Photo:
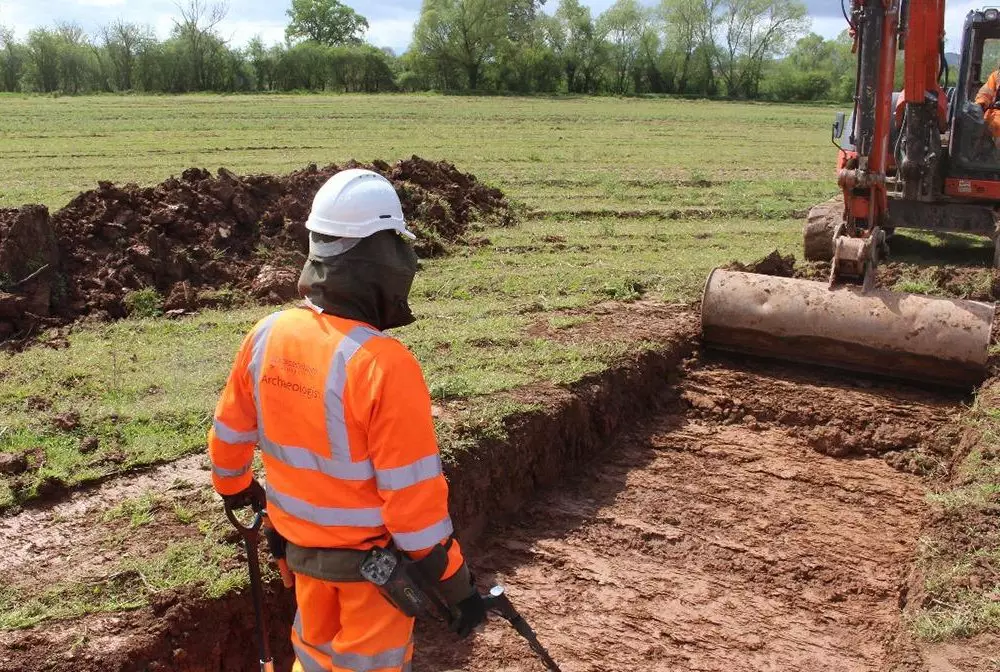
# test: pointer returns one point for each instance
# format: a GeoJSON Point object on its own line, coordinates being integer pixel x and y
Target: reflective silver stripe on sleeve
{"type": "Point", "coordinates": [336, 427]}
{"type": "Point", "coordinates": [232, 473]}
{"type": "Point", "coordinates": [332, 249]}
{"type": "Point", "coordinates": [303, 458]}
{"type": "Point", "coordinates": [403, 477]}
{"type": "Point", "coordinates": [257, 350]}
{"type": "Point", "coordinates": [308, 663]}
{"type": "Point", "coordinates": [227, 434]}
{"type": "Point", "coordinates": [325, 515]}
{"type": "Point", "coordinates": [425, 538]}
{"type": "Point", "coordinates": [357, 662]}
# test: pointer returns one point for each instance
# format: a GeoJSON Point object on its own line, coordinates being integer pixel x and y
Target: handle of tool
{"type": "Point", "coordinates": [251, 539]}
{"type": "Point", "coordinates": [502, 606]}
{"type": "Point", "coordinates": [257, 592]}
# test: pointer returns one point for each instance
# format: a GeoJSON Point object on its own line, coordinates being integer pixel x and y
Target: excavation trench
{"type": "Point", "coordinates": [673, 513]}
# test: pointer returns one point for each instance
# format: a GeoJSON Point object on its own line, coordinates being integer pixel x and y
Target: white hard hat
{"type": "Point", "coordinates": [357, 203]}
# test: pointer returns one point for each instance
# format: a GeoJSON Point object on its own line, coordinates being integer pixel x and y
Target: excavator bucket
{"type": "Point", "coordinates": [906, 336]}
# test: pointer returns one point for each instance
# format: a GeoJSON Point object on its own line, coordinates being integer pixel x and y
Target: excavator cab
{"type": "Point", "coordinates": [974, 170]}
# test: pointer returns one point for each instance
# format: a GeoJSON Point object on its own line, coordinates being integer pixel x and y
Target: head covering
{"type": "Point", "coordinates": [364, 279]}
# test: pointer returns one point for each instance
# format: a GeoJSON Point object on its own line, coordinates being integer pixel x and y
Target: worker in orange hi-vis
{"type": "Point", "coordinates": [342, 416]}
{"type": "Point", "coordinates": [987, 98]}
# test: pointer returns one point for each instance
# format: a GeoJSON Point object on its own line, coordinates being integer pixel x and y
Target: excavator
{"type": "Point", "coordinates": [921, 158]}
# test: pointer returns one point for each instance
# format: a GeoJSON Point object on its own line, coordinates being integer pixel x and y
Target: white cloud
{"type": "Point", "coordinates": [241, 32]}
{"type": "Point", "coordinates": [829, 26]}
{"type": "Point", "coordinates": [395, 33]}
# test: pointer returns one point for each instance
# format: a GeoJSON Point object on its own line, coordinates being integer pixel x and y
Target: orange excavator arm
{"type": "Point", "coordinates": [877, 27]}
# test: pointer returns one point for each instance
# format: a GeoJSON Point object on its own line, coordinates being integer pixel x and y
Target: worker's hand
{"type": "Point", "coordinates": [253, 496]}
{"type": "Point", "coordinates": [472, 614]}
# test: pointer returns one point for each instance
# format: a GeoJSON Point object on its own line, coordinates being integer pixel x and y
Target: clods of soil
{"type": "Point", "coordinates": [197, 237]}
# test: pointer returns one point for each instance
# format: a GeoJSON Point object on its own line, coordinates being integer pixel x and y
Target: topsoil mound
{"type": "Point", "coordinates": [772, 264]}
{"type": "Point", "coordinates": [192, 236]}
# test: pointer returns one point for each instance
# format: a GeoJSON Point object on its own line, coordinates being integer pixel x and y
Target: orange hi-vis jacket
{"type": "Point", "coordinates": [342, 415]}
{"type": "Point", "coordinates": [986, 97]}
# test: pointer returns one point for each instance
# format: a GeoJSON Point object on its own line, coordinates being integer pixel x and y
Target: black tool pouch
{"type": "Point", "coordinates": [401, 583]}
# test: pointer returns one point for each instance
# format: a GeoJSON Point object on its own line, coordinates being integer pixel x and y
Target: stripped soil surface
{"type": "Point", "coordinates": [707, 541]}
{"type": "Point", "coordinates": [713, 514]}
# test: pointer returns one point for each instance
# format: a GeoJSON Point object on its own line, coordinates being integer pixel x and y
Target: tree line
{"type": "Point", "coordinates": [750, 49]}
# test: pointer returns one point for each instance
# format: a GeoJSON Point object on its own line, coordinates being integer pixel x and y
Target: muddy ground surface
{"type": "Point", "coordinates": [203, 240]}
{"type": "Point", "coordinates": [710, 542]}
{"type": "Point", "coordinates": [723, 514]}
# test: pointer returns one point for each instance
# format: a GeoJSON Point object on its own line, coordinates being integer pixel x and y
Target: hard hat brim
{"type": "Point", "coordinates": [347, 230]}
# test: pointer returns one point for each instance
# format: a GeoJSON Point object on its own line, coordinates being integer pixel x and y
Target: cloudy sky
{"type": "Point", "coordinates": [391, 20]}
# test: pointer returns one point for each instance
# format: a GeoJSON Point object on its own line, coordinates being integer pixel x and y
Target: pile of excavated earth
{"type": "Point", "coordinates": [198, 238]}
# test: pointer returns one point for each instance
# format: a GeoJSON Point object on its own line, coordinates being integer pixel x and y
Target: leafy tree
{"type": "Point", "coordinates": [582, 50]}
{"type": "Point", "coordinates": [264, 63]}
{"type": "Point", "coordinates": [43, 61]}
{"type": "Point", "coordinates": [460, 32]}
{"type": "Point", "coordinates": [623, 25]}
{"type": "Point", "coordinates": [12, 61]}
{"type": "Point", "coordinates": [687, 24]}
{"type": "Point", "coordinates": [123, 43]}
{"type": "Point", "coordinates": [755, 30]}
{"type": "Point", "coordinates": [653, 68]}
{"type": "Point", "coordinates": [195, 31]}
{"type": "Point", "coordinates": [468, 35]}
{"type": "Point", "coordinates": [327, 22]}
{"type": "Point", "coordinates": [531, 64]}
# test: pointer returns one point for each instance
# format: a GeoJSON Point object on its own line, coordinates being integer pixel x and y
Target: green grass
{"type": "Point", "coordinates": [960, 557]}
{"type": "Point", "coordinates": [556, 155]}
{"type": "Point", "coordinates": [633, 203]}
{"type": "Point", "coordinates": [198, 557]}
{"type": "Point", "coordinates": [146, 388]}
{"type": "Point", "coordinates": [138, 512]}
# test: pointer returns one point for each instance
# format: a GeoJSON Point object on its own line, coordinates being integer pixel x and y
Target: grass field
{"type": "Point", "coordinates": [625, 199]}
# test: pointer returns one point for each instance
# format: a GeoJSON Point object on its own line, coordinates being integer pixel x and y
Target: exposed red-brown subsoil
{"type": "Point", "coordinates": [716, 534]}
{"type": "Point", "coordinates": [191, 236]}
{"type": "Point", "coordinates": [710, 541]}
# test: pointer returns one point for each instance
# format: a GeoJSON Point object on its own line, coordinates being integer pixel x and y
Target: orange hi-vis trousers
{"type": "Point", "coordinates": [348, 627]}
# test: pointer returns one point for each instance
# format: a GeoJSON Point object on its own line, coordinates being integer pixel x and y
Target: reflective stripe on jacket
{"type": "Point", "coordinates": [342, 416]}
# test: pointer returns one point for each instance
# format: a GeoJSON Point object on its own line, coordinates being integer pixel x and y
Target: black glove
{"type": "Point", "coordinates": [253, 496]}
{"type": "Point", "coordinates": [472, 614]}
{"type": "Point", "coordinates": [276, 544]}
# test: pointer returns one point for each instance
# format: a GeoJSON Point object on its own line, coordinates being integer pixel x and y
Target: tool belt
{"type": "Point", "coordinates": [413, 587]}
{"type": "Point", "coordinates": [341, 565]}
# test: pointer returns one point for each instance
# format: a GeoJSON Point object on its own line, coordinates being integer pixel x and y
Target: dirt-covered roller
{"type": "Point", "coordinates": [905, 336]}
